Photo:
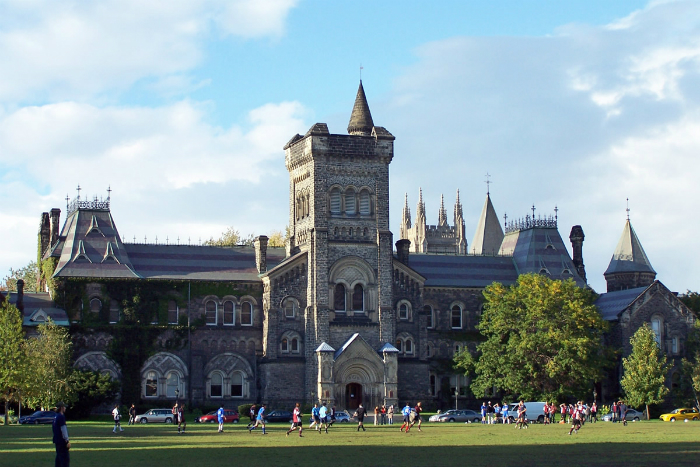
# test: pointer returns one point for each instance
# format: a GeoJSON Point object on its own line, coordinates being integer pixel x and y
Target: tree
{"type": "Point", "coordinates": [50, 357]}
{"type": "Point", "coordinates": [92, 389]}
{"type": "Point", "coordinates": [543, 340]}
{"type": "Point", "coordinates": [12, 353]}
{"type": "Point", "coordinates": [29, 274]}
{"type": "Point", "coordinates": [277, 238]}
{"type": "Point", "coordinates": [231, 237]}
{"type": "Point", "coordinates": [691, 300]}
{"type": "Point", "coordinates": [645, 370]}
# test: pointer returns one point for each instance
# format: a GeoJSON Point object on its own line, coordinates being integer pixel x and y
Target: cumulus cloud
{"type": "Point", "coordinates": [77, 49]}
{"type": "Point", "coordinates": [582, 119]}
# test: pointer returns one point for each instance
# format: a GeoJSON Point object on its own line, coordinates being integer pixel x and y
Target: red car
{"type": "Point", "coordinates": [230, 416]}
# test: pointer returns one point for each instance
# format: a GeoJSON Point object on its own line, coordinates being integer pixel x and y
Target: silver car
{"type": "Point", "coordinates": [456, 416]}
{"type": "Point", "coordinates": [631, 416]}
{"type": "Point", "coordinates": [156, 416]}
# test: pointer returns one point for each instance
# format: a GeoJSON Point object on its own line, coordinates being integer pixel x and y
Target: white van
{"type": "Point", "coordinates": [535, 411]}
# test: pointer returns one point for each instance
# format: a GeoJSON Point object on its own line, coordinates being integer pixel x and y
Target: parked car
{"type": "Point", "coordinates": [40, 416]}
{"type": "Point", "coordinates": [156, 416]}
{"type": "Point", "coordinates": [535, 411]}
{"type": "Point", "coordinates": [456, 416]}
{"type": "Point", "coordinates": [681, 414]}
{"type": "Point", "coordinates": [342, 416]}
{"type": "Point", "coordinates": [230, 416]}
{"type": "Point", "coordinates": [279, 416]}
{"type": "Point", "coordinates": [631, 416]}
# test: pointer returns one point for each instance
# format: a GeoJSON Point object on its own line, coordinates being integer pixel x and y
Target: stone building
{"type": "Point", "coordinates": [338, 315]}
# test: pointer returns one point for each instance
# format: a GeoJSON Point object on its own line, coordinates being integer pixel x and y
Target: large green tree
{"type": "Point", "coordinates": [12, 353]}
{"type": "Point", "coordinates": [29, 274]}
{"type": "Point", "coordinates": [543, 340]}
{"type": "Point", "coordinates": [91, 389]}
{"type": "Point", "coordinates": [50, 356]}
{"type": "Point", "coordinates": [645, 370]}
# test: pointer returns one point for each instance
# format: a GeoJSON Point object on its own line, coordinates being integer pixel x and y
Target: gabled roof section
{"type": "Point", "coordinates": [611, 304]}
{"type": "Point", "coordinates": [109, 253]}
{"type": "Point", "coordinates": [489, 234]}
{"type": "Point", "coordinates": [388, 348]}
{"type": "Point", "coordinates": [361, 118]}
{"type": "Point", "coordinates": [462, 270]}
{"type": "Point", "coordinates": [94, 227]}
{"type": "Point", "coordinates": [39, 308]}
{"type": "Point", "coordinates": [629, 256]}
{"type": "Point", "coordinates": [80, 254]}
{"type": "Point", "coordinates": [325, 348]}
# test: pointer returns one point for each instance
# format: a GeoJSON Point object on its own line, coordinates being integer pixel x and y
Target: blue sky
{"type": "Point", "coordinates": [183, 108]}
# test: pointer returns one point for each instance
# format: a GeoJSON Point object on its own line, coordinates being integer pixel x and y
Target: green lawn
{"type": "Point", "coordinates": [94, 444]}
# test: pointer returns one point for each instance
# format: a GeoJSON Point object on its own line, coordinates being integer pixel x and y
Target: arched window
{"type": "Point", "coordinates": [399, 345]}
{"type": "Point", "coordinates": [95, 305]}
{"type": "Point", "coordinates": [247, 314]}
{"type": "Point", "coordinates": [290, 308]}
{"type": "Point", "coordinates": [229, 313]}
{"type": "Point", "coordinates": [173, 312]}
{"type": "Point", "coordinates": [237, 385]}
{"type": "Point", "coordinates": [295, 345]}
{"type": "Point", "coordinates": [114, 311]}
{"type": "Point", "coordinates": [151, 384]}
{"type": "Point", "coordinates": [408, 346]}
{"type": "Point", "coordinates": [428, 310]}
{"type": "Point", "coordinates": [216, 385]}
{"type": "Point", "coordinates": [674, 345]}
{"type": "Point", "coordinates": [210, 312]}
{"type": "Point", "coordinates": [428, 350]}
{"type": "Point", "coordinates": [350, 207]}
{"type": "Point", "coordinates": [403, 311]}
{"type": "Point", "coordinates": [335, 201]}
{"type": "Point", "coordinates": [656, 327]}
{"type": "Point", "coordinates": [172, 384]}
{"type": "Point", "coordinates": [339, 297]}
{"type": "Point", "coordinates": [358, 298]}
{"type": "Point", "coordinates": [285, 345]}
{"type": "Point", "coordinates": [365, 208]}
{"type": "Point", "coordinates": [456, 317]}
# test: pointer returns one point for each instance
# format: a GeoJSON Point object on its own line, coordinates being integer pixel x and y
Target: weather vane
{"type": "Point", "coordinates": [488, 182]}
{"type": "Point", "coordinates": [361, 68]}
{"type": "Point", "coordinates": [628, 209]}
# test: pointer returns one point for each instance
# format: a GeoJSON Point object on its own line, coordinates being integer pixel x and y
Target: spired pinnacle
{"type": "Point", "coordinates": [361, 119]}
{"type": "Point", "coordinates": [442, 219]}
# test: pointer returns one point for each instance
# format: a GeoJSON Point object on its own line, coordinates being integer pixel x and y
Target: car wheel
{"type": "Point", "coordinates": [235, 421]}
{"type": "Point", "coordinates": [168, 420]}
{"type": "Point", "coordinates": [673, 419]}
{"type": "Point", "coordinates": [451, 420]}
{"type": "Point", "coordinates": [477, 420]}
{"type": "Point", "coordinates": [695, 419]}
{"type": "Point", "coordinates": [211, 421]}
{"type": "Point", "coordinates": [636, 419]}
{"type": "Point", "coordinates": [144, 420]}
{"type": "Point", "coordinates": [540, 419]}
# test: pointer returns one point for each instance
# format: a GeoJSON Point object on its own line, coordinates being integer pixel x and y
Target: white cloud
{"type": "Point", "coordinates": [77, 49]}
{"type": "Point", "coordinates": [583, 119]}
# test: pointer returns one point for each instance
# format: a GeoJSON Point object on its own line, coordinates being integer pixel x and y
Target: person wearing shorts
{"type": "Point", "coordinates": [220, 418]}
{"type": "Point", "coordinates": [406, 412]}
{"type": "Point", "coordinates": [323, 418]}
{"type": "Point", "coordinates": [296, 420]}
{"type": "Point", "coordinates": [315, 417]}
{"type": "Point", "coordinates": [117, 417]}
{"type": "Point", "coordinates": [181, 423]}
{"type": "Point", "coordinates": [417, 418]}
{"type": "Point", "coordinates": [259, 420]}
{"type": "Point", "coordinates": [360, 415]}
{"type": "Point", "coordinates": [251, 415]}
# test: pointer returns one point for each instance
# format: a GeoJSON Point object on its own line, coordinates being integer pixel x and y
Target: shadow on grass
{"type": "Point", "coordinates": [287, 452]}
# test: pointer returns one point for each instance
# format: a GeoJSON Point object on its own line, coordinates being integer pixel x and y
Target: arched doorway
{"type": "Point", "coordinates": [353, 395]}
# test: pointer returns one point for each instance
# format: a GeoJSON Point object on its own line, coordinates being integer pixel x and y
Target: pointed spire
{"type": "Point", "coordinates": [420, 210]}
{"type": "Point", "coordinates": [406, 221]}
{"type": "Point", "coordinates": [459, 217]}
{"type": "Point", "coordinates": [629, 256]}
{"type": "Point", "coordinates": [442, 217]}
{"type": "Point", "coordinates": [361, 119]}
{"type": "Point", "coordinates": [489, 234]}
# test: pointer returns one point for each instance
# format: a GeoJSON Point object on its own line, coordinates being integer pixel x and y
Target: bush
{"type": "Point", "coordinates": [244, 410]}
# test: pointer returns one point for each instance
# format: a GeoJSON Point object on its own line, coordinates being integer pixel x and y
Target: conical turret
{"type": "Point", "coordinates": [361, 119]}
{"type": "Point", "coordinates": [489, 234]}
{"type": "Point", "coordinates": [629, 267]}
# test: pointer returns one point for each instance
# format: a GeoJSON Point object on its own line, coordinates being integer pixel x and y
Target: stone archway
{"type": "Point", "coordinates": [353, 395]}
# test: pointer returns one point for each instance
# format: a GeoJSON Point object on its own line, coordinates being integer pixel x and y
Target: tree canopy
{"type": "Point", "coordinates": [29, 274]}
{"type": "Point", "coordinates": [645, 370]}
{"type": "Point", "coordinates": [50, 355]}
{"type": "Point", "coordinates": [543, 340]}
{"type": "Point", "coordinates": [233, 237]}
{"type": "Point", "coordinates": [12, 353]}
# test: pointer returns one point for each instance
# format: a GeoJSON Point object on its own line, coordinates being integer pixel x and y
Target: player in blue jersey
{"type": "Point", "coordinates": [406, 412]}
{"type": "Point", "coordinates": [323, 416]}
{"type": "Point", "coordinates": [259, 420]}
{"type": "Point", "coordinates": [220, 417]}
{"type": "Point", "coordinates": [315, 417]}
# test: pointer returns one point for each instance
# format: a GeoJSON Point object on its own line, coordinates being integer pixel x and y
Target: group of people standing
{"type": "Point", "coordinates": [384, 415]}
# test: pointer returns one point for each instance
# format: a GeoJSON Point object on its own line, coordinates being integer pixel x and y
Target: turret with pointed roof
{"type": "Point", "coordinates": [442, 216]}
{"type": "Point", "coordinates": [489, 234]}
{"type": "Point", "coordinates": [361, 118]}
{"type": "Point", "coordinates": [629, 267]}
{"type": "Point", "coordinates": [405, 218]}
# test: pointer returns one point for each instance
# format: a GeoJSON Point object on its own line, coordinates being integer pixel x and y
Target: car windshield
{"type": "Point", "coordinates": [676, 411]}
{"type": "Point", "coordinates": [36, 414]}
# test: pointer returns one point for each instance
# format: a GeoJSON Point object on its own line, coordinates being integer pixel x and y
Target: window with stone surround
{"type": "Point", "coordinates": [365, 203]}
{"type": "Point", "coordinates": [247, 314]}
{"type": "Point", "coordinates": [237, 384]}
{"type": "Point", "coordinates": [428, 310]}
{"type": "Point", "coordinates": [95, 305]}
{"type": "Point", "coordinates": [173, 312]}
{"type": "Point", "coordinates": [339, 297]}
{"type": "Point", "coordinates": [404, 308]}
{"type": "Point", "coordinates": [114, 311]}
{"type": "Point", "coordinates": [172, 384]}
{"type": "Point", "coordinates": [290, 307]}
{"type": "Point", "coordinates": [151, 384]}
{"type": "Point", "coordinates": [295, 345]}
{"type": "Point", "coordinates": [336, 203]}
{"type": "Point", "coordinates": [216, 384]}
{"type": "Point", "coordinates": [456, 317]}
{"type": "Point", "coordinates": [358, 298]}
{"type": "Point", "coordinates": [284, 347]}
{"type": "Point", "coordinates": [229, 313]}
{"type": "Point", "coordinates": [657, 327]}
{"type": "Point", "coordinates": [210, 310]}
{"type": "Point", "coordinates": [350, 204]}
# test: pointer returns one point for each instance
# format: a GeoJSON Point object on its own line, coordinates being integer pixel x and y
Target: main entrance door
{"type": "Point", "coordinates": [353, 395]}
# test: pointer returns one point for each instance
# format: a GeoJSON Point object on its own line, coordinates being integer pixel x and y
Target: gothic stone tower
{"type": "Point", "coordinates": [339, 218]}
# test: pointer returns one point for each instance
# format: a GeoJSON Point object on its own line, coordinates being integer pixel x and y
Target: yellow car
{"type": "Point", "coordinates": [681, 414]}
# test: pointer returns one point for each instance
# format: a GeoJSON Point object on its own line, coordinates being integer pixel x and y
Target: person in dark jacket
{"type": "Point", "coordinates": [60, 436]}
{"type": "Point", "coordinates": [360, 415]}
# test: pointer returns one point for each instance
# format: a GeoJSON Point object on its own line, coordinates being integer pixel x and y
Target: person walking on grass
{"type": "Point", "coordinates": [331, 420]}
{"type": "Point", "coordinates": [181, 423]}
{"type": "Point", "coordinates": [594, 412]}
{"type": "Point", "coordinates": [323, 417]}
{"type": "Point", "coordinates": [296, 421]}
{"type": "Point", "coordinates": [416, 416]}
{"type": "Point", "coordinates": [132, 415]}
{"type": "Point", "coordinates": [577, 418]}
{"type": "Point", "coordinates": [259, 420]}
{"type": "Point", "coordinates": [522, 416]}
{"type": "Point", "coordinates": [315, 417]}
{"type": "Point", "coordinates": [60, 436]}
{"type": "Point", "coordinates": [622, 407]}
{"type": "Point", "coordinates": [360, 415]}
{"type": "Point", "coordinates": [251, 415]}
{"type": "Point", "coordinates": [376, 415]}
{"type": "Point", "coordinates": [220, 418]}
{"type": "Point", "coordinates": [117, 416]}
{"type": "Point", "coordinates": [406, 412]}
{"type": "Point", "coordinates": [176, 413]}
{"type": "Point", "coordinates": [383, 414]}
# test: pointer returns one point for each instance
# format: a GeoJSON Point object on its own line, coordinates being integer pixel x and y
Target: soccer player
{"type": "Point", "coordinates": [296, 421]}
{"type": "Point", "coordinates": [259, 420]}
{"type": "Point", "coordinates": [406, 412]}
{"type": "Point", "coordinates": [315, 417]}
{"type": "Point", "coordinates": [117, 417]}
{"type": "Point", "coordinates": [323, 417]}
{"type": "Point", "coordinates": [220, 417]}
{"type": "Point", "coordinates": [417, 418]}
{"type": "Point", "coordinates": [181, 423]}
{"type": "Point", "coordinates": [251, 415]}
{"type": "Point", "coordinates": [360, 414]}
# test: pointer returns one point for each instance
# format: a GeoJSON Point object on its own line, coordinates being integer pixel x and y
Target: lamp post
{"type": "Point", "coordinates": [456, 398]}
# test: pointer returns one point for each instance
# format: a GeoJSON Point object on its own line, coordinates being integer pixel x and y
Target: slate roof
{"type": "Point", "coordinates": [463, 271]}
{"type": "Point", "coordinates": [388, 348]}
{"type": "Point", "coordinates": [611, 304]}
{"type": "Point", "coordinates": [325, 348]}
{"type": "Point", "coordinates": [346, 345]}
{"type": "Point", "coordinates": [361, 118]}
{"type": "Point", "coordinates": [629, 256]}
{"type": "Point", "coordinates": [90, 246]}
{"type": "Point", "coordinates": [489, 234]}
{"type": "Point", "coordinates": [37, 302]}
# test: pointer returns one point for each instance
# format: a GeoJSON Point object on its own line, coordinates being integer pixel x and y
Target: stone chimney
{"type": "Point", "coordinates": [402, 249]}
{"type": "Point", "coordinates": [44, 233]}
{"type": "Point", "coordinates": [20, 295]}
{"type": "Point", "coordinates": [576, 236]}
{"type": "Point", "coordinates": [55, 217]}
{"type": "Point", "coordinates": [260, 244]}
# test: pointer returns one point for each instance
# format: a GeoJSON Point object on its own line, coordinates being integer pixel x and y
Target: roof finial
{"type": "Point", "coordinates": [109, 192]}
{"type": "Point", "coordinates": [361, 68]}
{"type": "Point", "coordinates": [556, 213]}
{"type": "Point", "coordinates": [67, 199]}
{"type": "Point", "coordinates": [533, 211]}
{"type": "Point", "coordinates": [628, 209]}
{"type": "Point", "coordinates": [78, 191]}
{"type": "Point", "coordinates": [488, 182]}
{"type": "Point", "coordinates": [505, 218]}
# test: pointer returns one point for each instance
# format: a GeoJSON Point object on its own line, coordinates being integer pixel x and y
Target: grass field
{"type": "Point", "coordinates": [604, 444]}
